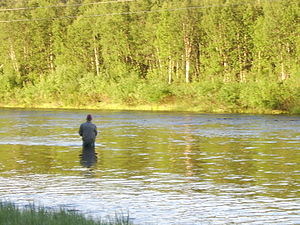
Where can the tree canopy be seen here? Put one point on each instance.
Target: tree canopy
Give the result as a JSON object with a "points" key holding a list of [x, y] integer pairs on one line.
{"points": [[149, 50]]}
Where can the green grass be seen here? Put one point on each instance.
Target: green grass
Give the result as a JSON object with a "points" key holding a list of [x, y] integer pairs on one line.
{"points": [[10, 214]]}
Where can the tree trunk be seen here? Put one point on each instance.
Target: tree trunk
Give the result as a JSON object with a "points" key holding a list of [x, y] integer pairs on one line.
{"points": [[177, 70], [13, 58], [188, 51], [51, 55], [170, 71], [187, 71], [283, 74], [96, 54]]}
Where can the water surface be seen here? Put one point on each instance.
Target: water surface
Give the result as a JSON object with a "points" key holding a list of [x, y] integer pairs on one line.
{"points": [[162, 168]]}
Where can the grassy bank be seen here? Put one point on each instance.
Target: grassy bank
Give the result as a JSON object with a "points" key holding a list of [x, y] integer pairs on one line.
{"points": [[132, 93], [150, 107], [12, 215]]}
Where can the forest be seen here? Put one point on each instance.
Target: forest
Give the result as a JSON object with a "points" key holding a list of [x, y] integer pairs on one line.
{"points": [[196, 55]]}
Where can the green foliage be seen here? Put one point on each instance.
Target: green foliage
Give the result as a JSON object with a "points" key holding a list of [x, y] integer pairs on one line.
{"points": [[5, 87], [121, 53], [267, 95], [230, 94], [65, 79], [155, 92]]}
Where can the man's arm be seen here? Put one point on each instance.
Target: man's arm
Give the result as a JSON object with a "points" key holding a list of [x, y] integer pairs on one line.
{"points": [[95, 130]]}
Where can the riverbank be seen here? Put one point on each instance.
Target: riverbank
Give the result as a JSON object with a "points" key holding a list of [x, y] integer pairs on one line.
{"points": [[10, 214], [205, 97], [152, 107]]}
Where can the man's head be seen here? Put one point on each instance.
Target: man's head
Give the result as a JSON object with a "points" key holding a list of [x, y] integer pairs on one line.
{"points": [[89, 117]]}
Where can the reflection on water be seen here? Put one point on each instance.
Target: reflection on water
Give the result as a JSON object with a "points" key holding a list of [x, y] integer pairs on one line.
{"points": [[88, 156], [164, 168]]}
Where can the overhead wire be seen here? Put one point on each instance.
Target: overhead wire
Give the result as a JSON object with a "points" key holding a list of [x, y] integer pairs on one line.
{"points": [[67, 5], [127, 13]]}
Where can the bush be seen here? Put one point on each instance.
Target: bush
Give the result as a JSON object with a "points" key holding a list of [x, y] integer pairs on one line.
{"points": [[65, 79], [155, 92], [5, 85], [266, 95], [125, 90], [229, 94]]}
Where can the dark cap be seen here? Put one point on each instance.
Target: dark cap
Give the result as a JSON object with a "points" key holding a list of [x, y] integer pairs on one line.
{"points": [[89, 117]]}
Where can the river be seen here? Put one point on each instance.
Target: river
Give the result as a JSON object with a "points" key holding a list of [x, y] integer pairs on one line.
{"points": [[158, 167]]}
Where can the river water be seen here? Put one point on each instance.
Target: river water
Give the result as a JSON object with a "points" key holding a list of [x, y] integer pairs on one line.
{"points": [[160, 168]]}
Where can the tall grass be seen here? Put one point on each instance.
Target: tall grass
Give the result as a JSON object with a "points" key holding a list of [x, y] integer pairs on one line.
{"points": [[10, 214]]}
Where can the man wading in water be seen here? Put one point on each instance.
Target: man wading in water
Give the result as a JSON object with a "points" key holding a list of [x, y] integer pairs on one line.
{"points": [[88, 132]]}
